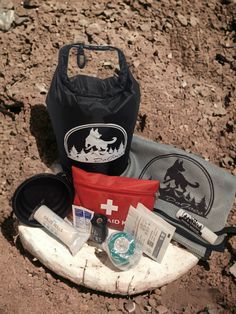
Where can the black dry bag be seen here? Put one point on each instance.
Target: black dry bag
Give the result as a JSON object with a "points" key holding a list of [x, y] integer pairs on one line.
{"points": [[93, 119]]}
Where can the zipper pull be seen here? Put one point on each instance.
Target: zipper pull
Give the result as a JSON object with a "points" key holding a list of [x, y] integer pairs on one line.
{"points": [[81, 59]]}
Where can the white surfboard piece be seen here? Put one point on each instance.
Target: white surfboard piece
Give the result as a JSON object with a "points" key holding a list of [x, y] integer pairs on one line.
{"points": [[93, 269]]}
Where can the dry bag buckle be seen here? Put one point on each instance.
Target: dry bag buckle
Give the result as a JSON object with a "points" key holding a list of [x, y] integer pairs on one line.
{"points": [[81, 59]]}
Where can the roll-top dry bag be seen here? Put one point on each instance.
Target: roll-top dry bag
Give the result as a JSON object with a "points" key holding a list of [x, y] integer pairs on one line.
{"points": [[93, 118]]}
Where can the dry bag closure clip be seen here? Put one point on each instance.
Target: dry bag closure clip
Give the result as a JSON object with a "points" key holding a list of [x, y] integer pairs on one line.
{"points": [[81, 59]]}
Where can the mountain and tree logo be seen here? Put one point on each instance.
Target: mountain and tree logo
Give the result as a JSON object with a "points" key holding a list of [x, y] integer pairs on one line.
{"points": [[184, 182], [95, 143]]}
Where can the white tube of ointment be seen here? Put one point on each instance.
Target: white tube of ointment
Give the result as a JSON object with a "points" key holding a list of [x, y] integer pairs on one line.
{"points": [[194, 225], [70, 236]]}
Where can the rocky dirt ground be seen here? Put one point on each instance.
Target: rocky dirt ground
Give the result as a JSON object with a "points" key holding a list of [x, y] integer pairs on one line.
{"points": [[183, 55]]}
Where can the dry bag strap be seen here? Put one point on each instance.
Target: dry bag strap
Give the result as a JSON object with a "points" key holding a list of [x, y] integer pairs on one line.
{"points": [[64, 57]]}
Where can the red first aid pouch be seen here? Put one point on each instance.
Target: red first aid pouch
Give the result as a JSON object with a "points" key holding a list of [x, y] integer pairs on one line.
{"points": [[112, 195]]}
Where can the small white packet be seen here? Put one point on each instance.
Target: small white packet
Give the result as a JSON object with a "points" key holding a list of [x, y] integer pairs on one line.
{"points": [[82, 218], [151, 231]]}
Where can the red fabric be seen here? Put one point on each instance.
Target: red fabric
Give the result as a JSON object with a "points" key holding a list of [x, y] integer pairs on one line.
{"points": [[112, 195]]}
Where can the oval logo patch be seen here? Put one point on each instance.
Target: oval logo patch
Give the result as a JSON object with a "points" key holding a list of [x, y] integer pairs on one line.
{"points": [[184, 182], [95, 143]]}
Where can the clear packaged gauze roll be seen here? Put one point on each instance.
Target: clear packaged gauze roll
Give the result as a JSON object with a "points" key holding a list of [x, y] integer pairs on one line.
{"points": [[65, 232]]}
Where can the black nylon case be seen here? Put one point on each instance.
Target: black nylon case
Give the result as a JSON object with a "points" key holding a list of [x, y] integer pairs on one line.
{"points": [[93, 119]]}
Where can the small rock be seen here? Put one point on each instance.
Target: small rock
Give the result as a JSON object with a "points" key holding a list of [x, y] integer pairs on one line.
{"points": [[202, 91], [212, 311], [111, 307], [98, 11], [227, 161], [86, 296], [228, 43], [31, 4], [202, 122], [182, 19], [138, 310], [179, 71], [6, 19], [6, 4], [48, 276], [136, 63], [145, 27], [157, 291], [183, 83], [219, 110], [161, 309], [108, 65], [232, 241], [139, 300], [79, 39], [83, 308], [42, 88], [24, 57], [132, 37], [108, 13], [152, 303], [120, 304], [130, 306], [168, 25], [163, 290], [170, 55], [116, 25], [20, 20], [83, 22], [93, 28], [78, 36], [111, 5], [193, 21]]}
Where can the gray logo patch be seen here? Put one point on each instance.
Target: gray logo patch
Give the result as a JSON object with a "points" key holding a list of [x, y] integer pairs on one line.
{"points": [[184, 182]]}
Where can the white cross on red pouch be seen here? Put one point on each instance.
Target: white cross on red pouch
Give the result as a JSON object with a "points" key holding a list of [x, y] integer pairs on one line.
{"points": [[109, 207]]}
